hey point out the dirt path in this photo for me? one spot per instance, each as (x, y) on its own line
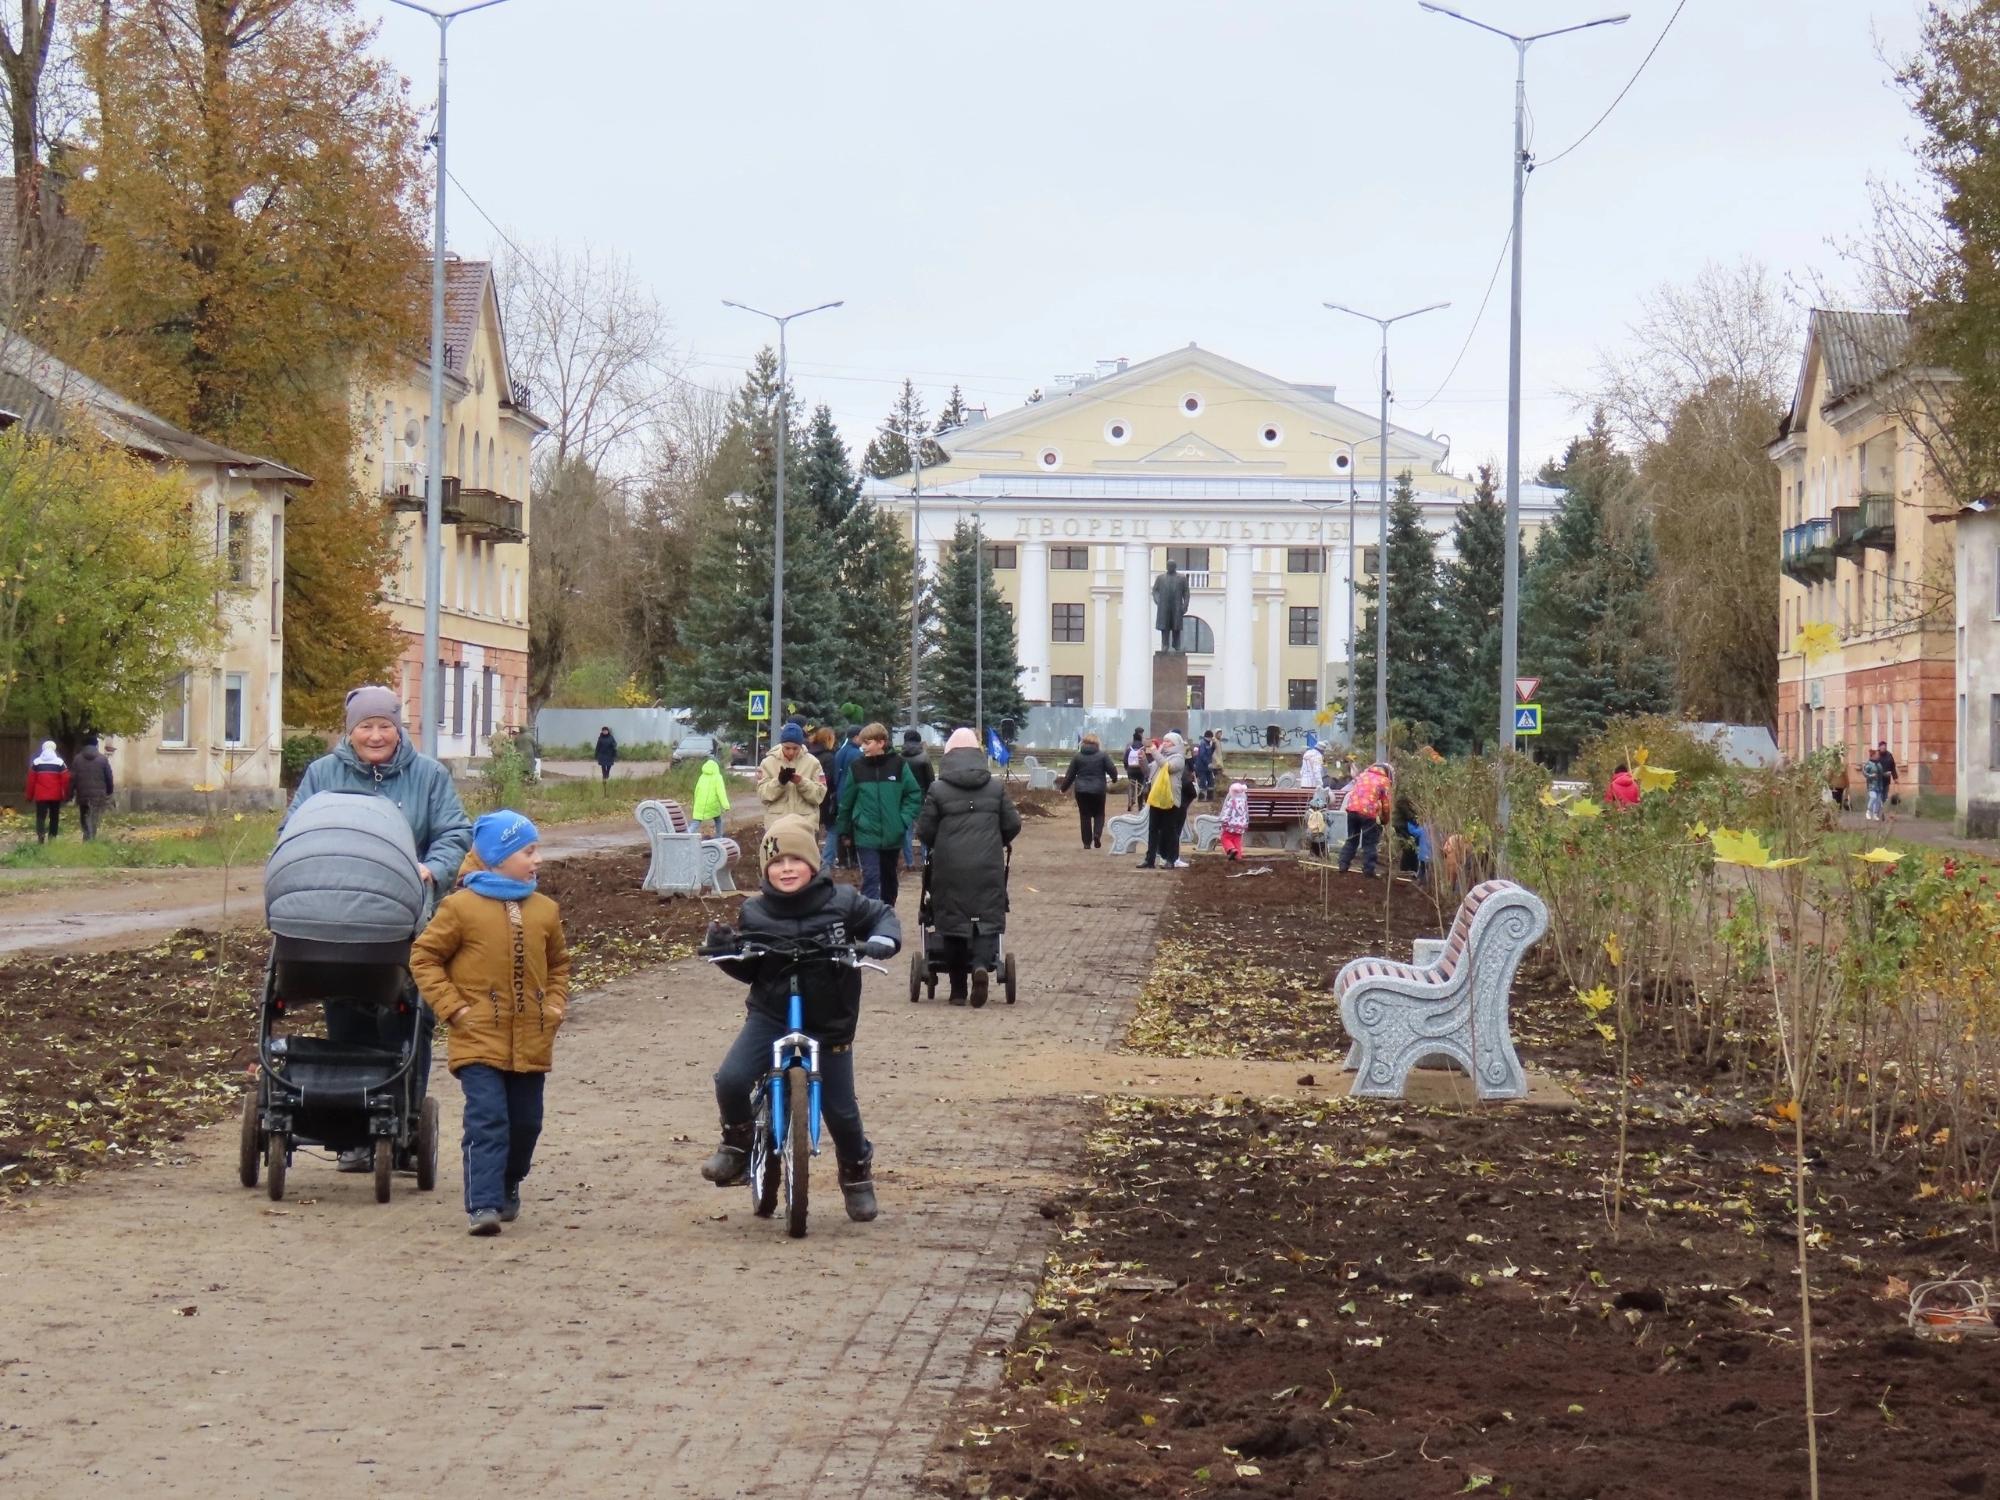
(638, 1332)
(124, 909)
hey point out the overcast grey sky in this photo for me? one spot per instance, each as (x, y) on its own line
(1007, 193)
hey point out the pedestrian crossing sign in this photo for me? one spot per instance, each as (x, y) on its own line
(760, 708)
(1527, 718)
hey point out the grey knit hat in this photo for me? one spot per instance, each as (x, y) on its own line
(374, 703)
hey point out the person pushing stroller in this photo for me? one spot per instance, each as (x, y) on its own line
(967, 822)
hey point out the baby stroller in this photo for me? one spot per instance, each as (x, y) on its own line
(932, 954)
(344, 901)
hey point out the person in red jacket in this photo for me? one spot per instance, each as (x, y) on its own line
(48, 789)
(1623, 791)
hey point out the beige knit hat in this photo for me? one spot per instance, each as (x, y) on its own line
(792, 834)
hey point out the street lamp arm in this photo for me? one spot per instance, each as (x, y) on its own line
(1617, 20)
(1446, 10)
(447, 15)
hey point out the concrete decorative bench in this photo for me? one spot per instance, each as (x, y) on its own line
(1128, 832)
(1288, 780)
(1453, 1006)
(683, 862)
(1040, 778)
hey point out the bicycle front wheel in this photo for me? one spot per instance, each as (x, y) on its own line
(764, 1162)
(798, 1149)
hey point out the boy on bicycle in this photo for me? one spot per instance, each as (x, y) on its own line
(799, 904)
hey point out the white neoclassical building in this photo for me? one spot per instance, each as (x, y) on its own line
(1264, 492)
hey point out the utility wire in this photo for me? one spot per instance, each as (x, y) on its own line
(1491, 282)
(1622, 92)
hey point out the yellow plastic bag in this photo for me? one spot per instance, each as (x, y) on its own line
(1162, 793)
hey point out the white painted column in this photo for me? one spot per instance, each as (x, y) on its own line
(1135, 649)
(1031, 623)
(1275, 621)
(1100, 647)
(1239, 673)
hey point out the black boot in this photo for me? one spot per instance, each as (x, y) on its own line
(979, 979)
(731, 1161)
(857, 1186)
(957, 995)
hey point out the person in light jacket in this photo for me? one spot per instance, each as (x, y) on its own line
(1166, 809)
(789, 782)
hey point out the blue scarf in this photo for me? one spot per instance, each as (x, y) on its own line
(499, 887)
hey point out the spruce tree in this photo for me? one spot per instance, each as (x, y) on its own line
(1472, 584)
(725, 628)
(1422, 676)
(1588, 627)
(948, 654)
(954, 413)
(888, 451)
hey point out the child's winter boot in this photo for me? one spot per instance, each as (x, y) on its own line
(857, 1186)
(726, 1168)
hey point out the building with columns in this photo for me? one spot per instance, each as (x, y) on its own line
(1262, 491)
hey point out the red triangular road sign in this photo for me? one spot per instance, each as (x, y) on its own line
(1524, 689)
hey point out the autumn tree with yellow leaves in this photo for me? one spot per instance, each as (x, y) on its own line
(252, 190)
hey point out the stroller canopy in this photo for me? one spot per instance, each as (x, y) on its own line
(343, 881)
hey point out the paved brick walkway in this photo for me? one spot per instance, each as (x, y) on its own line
(638, 1333)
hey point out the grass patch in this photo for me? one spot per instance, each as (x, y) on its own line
(190, 845)
(584, 799)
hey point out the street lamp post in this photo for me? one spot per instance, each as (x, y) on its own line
(778, 527)
(431, 703)
(979, 618)
(915, 440)
(1510, 598)
(1382, 530)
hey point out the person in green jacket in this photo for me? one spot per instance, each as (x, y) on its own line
(879, 798)
(711, 797)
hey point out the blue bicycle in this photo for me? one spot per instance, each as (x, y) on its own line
(785, 1128)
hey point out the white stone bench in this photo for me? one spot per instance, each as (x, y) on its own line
(1040, 778)
(1128, 832)
(683, 862)
(1453, 1006)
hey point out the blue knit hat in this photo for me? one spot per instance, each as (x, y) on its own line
(792, 734)
(499, 834)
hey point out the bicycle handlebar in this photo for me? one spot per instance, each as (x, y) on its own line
(846, 955)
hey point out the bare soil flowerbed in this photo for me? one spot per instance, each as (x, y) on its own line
(109, 1058)
(1336, 1299)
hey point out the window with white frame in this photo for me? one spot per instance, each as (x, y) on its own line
(235, 711)
(174, 712)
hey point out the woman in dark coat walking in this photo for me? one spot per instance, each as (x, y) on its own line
(1091, 774)
(607, 751)
(967, 822)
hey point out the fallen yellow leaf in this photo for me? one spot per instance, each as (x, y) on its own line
(1614, 950)
(1879, 855)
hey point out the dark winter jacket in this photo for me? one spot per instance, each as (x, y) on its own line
(967, 822)
(846, 755)
(821, 912)
(420, 787)
(90, 776)
(919, 760)
(607, 749)
(879, 798)
(828, 807)
(1090, 773)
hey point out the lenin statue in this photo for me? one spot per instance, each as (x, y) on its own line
(1170, 607)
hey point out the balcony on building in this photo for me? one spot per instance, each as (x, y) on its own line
(1875, 524)
(480, 512)
(1847, 531)
(1807, 553)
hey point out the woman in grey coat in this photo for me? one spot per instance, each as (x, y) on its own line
(967, 822)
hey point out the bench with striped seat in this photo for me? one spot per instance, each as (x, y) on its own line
(1454, 1006)
(683, 862)
(1280, 811)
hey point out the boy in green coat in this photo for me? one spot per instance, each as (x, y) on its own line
(879, 798)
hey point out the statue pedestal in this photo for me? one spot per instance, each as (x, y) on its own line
(1170, 694)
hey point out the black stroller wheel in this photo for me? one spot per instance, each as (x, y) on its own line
(918, 968)
(385, 1167)
(250, 1159)
(1007, 978)
(276, 1148)
(427, 1146)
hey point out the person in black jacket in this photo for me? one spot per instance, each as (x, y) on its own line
(799, 903)
(967, 822)
(1091, 775)
(919, 762)
(606, 752)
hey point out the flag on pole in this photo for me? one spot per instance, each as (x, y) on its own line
(997, 747)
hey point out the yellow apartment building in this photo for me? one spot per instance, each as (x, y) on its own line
(488, 429)
(1860, 554)
(1263, 491)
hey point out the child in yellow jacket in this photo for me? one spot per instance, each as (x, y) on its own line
(493, 966)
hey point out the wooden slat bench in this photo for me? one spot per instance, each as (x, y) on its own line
(1279, 811)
